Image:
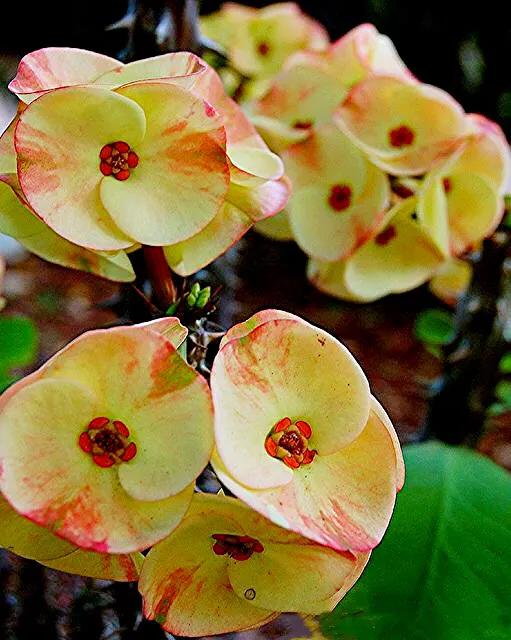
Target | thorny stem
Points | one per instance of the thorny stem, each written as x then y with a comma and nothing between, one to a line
459,404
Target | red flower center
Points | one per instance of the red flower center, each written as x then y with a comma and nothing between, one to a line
303,124
447,184
340,197
289,442
107,442
263,48
401,136
236,547
117,159
385,236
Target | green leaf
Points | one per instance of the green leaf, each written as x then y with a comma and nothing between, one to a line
505,363
434,326
442,571
18,346
503,391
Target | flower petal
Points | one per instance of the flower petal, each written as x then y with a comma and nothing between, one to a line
451,281
169,327
322,230
55,67
163,401
474,210
29,540
20,223
7,151
276,227
58,140
182,177
102,566
330,278
47,477
276,371
404,127
386,265
185,585
180,68
243,329
286,574
343,500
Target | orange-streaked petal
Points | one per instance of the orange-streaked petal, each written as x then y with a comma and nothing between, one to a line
54,67
276,371
182,177
58,139
343,500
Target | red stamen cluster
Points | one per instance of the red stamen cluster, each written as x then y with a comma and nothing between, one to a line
290,442
304,125
116,159
447,184
236,547
401,190
401,136
107,441
386,236
340,197
263,48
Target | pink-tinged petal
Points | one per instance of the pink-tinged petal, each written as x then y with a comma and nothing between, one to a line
102,566
170,328
386,264
451,280
404,127
384,419
364,51
19,222
29,540
209,87
7,152
185,585
338,500
181,69
276,227
275,371
333,212
58,139
164,402
55,67
243,329
182,177
301,96
26,539
47,477
486,153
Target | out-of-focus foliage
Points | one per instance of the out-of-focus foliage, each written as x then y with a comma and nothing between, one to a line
442,570
18,346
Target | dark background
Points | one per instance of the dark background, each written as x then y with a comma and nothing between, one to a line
461,47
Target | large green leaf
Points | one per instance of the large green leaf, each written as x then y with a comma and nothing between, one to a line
18,346
443,571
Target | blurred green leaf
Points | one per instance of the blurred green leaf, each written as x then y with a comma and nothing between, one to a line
18,346
442,570
505,363
497,409
503,391
434,326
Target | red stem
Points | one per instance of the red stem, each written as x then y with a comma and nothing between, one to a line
160,275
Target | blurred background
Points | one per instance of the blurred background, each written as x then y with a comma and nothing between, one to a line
459,46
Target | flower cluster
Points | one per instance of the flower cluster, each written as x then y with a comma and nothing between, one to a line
104,157
392,182
101,447
258,42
